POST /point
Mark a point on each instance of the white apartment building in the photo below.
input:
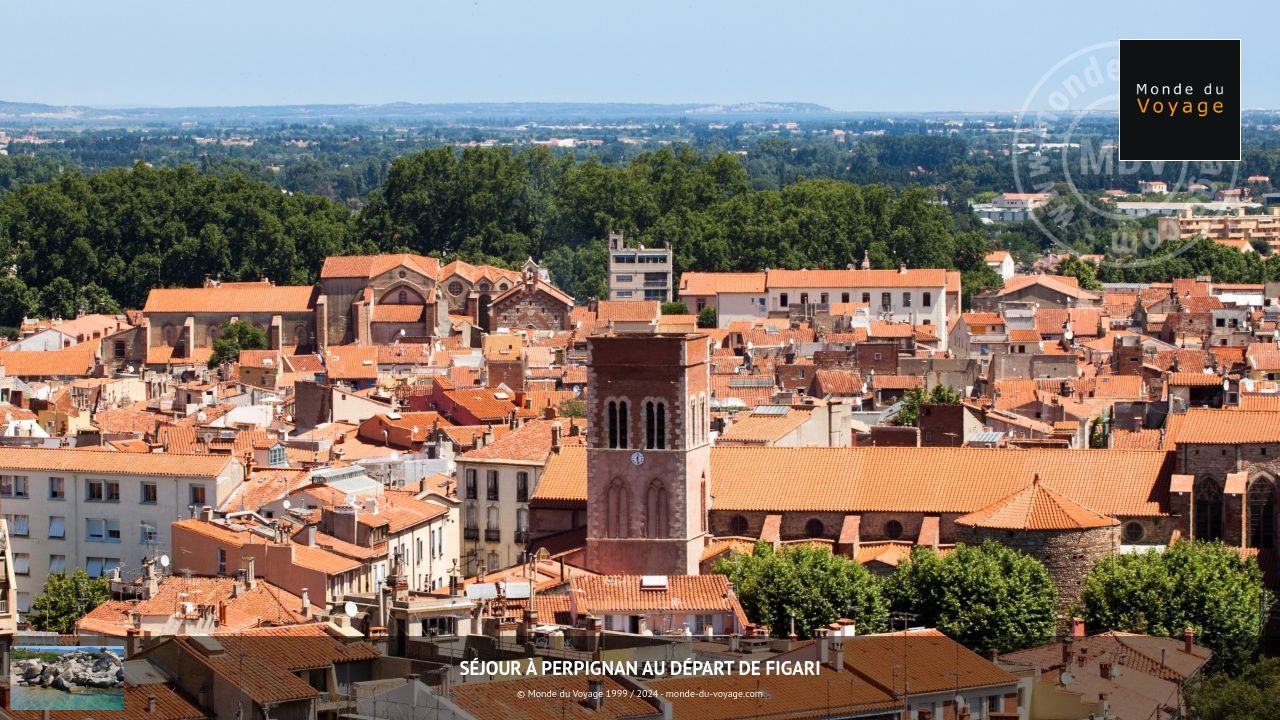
(495, 483)
(920, 297)
(639, 273)
(100, 510)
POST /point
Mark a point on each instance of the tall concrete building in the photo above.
(648, 453)
(639, 273)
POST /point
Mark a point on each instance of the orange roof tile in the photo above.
(1194, 379)
(763, 429)
(707, 283)
(1065, 285)
(83, 461)
(928, 277)
(232, 298)
(351, 362)
(367, 266)
(1209, 426)
(529, 443)
(628, 310)
(1036, 507)
(896, 382)
(887, 479)
(604, 594)
(392, 313)
(75, 361)
(1135, 440)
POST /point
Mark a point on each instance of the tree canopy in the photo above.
(1254, 694)
(1206, 586)
(809, 585)
(987, 597)
(236, 335)
(913, 399)
(66, 598)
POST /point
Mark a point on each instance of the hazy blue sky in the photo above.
(850, 56)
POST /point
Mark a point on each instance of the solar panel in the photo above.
(516, 590)
(771, 410)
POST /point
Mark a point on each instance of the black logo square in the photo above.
(1180, 100)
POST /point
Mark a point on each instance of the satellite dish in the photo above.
(188, 608)
(164, 561)
(286, 504)
(349, 608)
(1068, 334)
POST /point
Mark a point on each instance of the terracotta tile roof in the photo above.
(837, 382)
(189, 440)
(1261, 356)
(1036, 507)
(126, 420)
(1024, 335)
(321, 560)
(483, 403)
(1065, 285)
(402, 511)
(214, 530)
(367, 266)
(628, 311)
(896, 382)
(997, 256)
(887, 479)
(785, 279)
(1139, 440)
(829, 694)
(612, 594)
(267, 359)
(881, 329)
(83, 461)
(263, 487)
(751, 390)
(982, 318)
(706, 283)
(392, 313)
(1259, 403)
(938, 663)
(756, 429)
(1209, 426)
(530, 443)
(853, 337)
(475, 273)
(351, 362)
(1194, 379)
(501, 700)
(232, 298)
(75, 361)
(533, 286)
(465, 435)
(1085, 322)
(264, 603)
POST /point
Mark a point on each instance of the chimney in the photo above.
(549, 412)
(555, 437)
(306, 604)
(250, 580)
(595, 694)
(1188, 639)
(822, 645)
(151, 704)
(222, 614)
(837, 660)
(311, 536)
(206, 513)
(902, 269)
(1104, 707)
(1077, 627)
(373, 506)
(1067, 652)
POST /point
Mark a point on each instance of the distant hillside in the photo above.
(17, 114)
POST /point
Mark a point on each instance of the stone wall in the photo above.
(1068, 555)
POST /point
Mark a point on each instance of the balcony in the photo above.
(522, 537)
(492, 535)
(471, 533)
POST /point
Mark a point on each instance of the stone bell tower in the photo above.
(648, 452)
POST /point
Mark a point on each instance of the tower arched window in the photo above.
(624, 439)
(1262, 512)
(657, 511)
(611, 419)
(1208, 509)
(616, 525)
(814, 528)
(738, 525)
(655, 425)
